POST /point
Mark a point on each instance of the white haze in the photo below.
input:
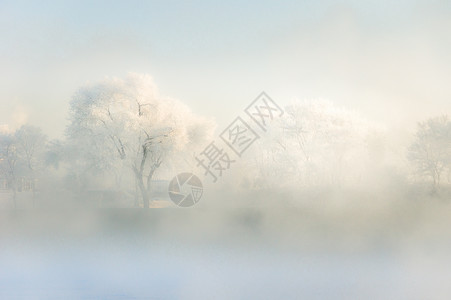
(354, 211)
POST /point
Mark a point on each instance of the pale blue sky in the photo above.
(390, 61)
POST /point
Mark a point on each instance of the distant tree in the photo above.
(31, 143)
(9, 162)
(31, 146)
(121, 124)
(22, 156)
(314, 143)
(430, 152)
(54, 153)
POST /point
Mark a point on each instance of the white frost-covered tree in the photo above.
(9, 162)
(314, 143)
(430, 152)
(31, 145)
(125, 124)
(22, 156)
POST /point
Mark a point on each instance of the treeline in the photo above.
(122, 136)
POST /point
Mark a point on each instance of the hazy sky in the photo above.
(390, 60)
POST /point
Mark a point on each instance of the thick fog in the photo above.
(225, 151)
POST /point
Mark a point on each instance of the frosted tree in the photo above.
(430, 152)
(22, 156)
(9, 162)
(125, 123)
(31, 146)
(314, 143)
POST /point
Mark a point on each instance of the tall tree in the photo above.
(125, 123)
(31, 145)
(430, 152)
(314, 143)
(9, 162)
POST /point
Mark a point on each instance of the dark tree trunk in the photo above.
(15, 198)
(142, 188)
(136, 194)
(145, 187)
(146, 201)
